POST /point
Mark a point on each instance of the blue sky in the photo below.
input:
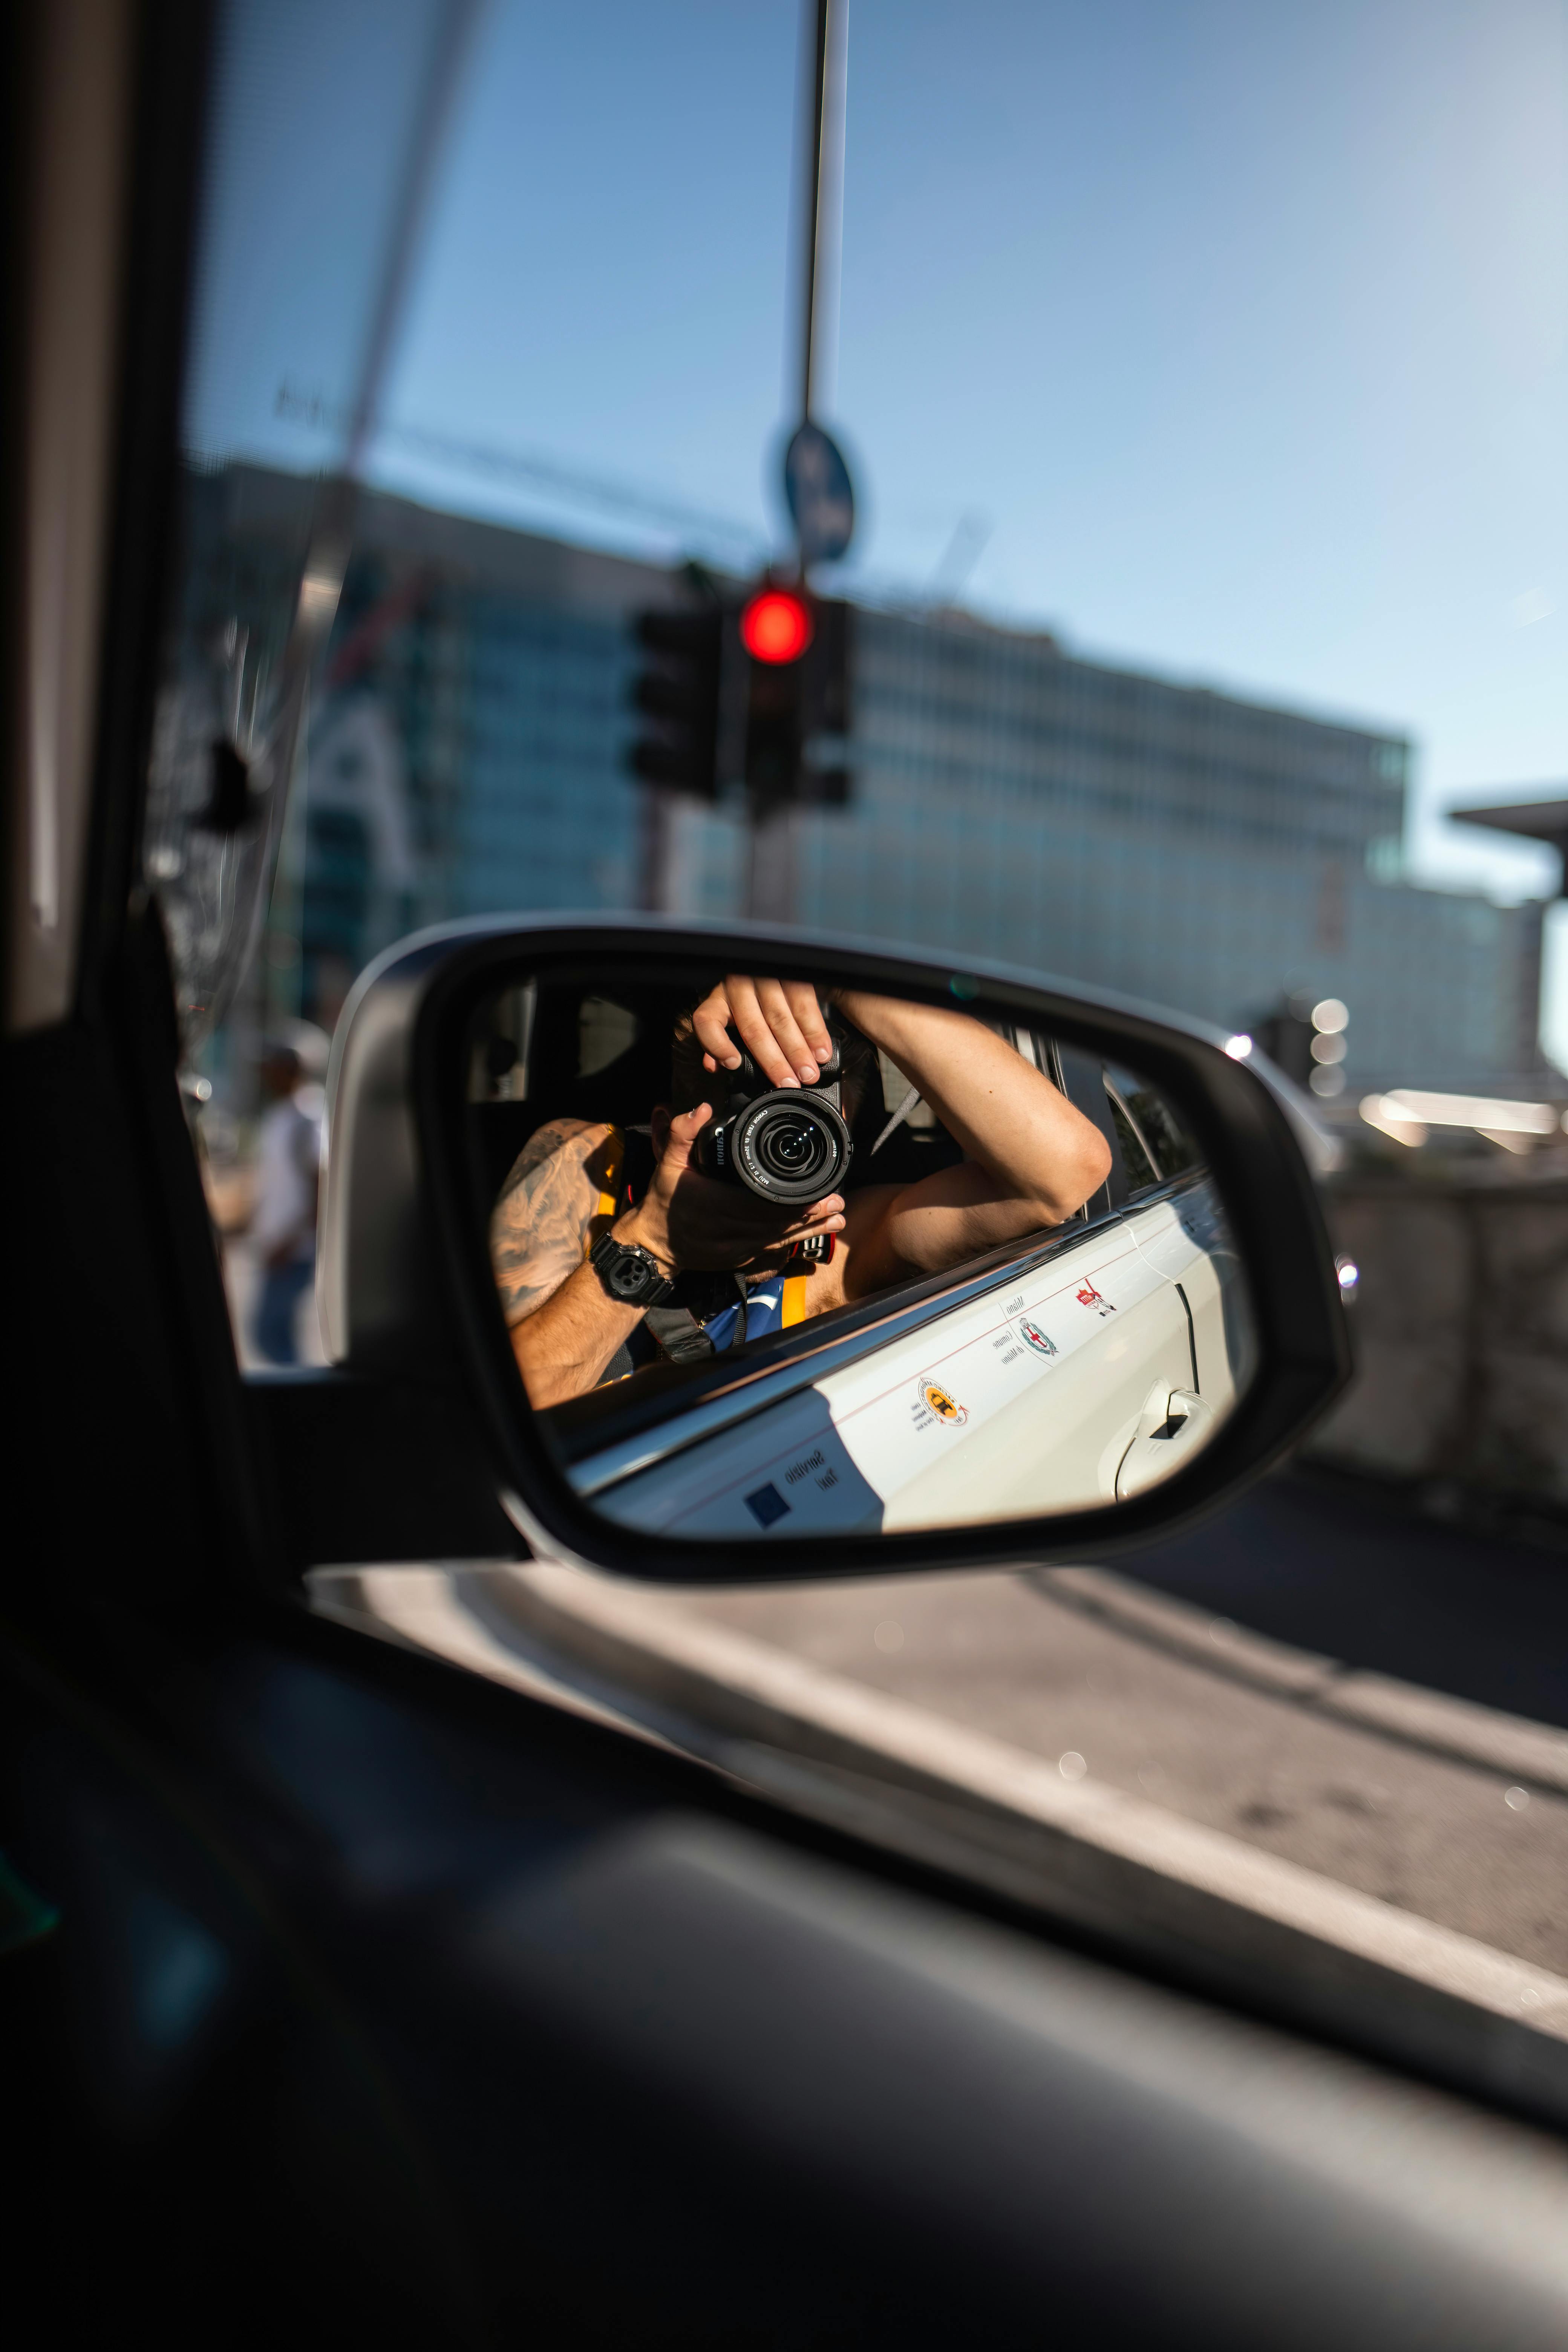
(1244, 329)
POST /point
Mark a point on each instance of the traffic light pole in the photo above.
(771, 848)
(771, 875)
(655, 895)
(811, 146)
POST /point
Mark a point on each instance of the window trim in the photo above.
(1118, 1102)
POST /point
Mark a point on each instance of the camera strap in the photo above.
(637, 1162)
(679, 1335)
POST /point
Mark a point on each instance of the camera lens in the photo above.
(790, 1151)
(790, 1146)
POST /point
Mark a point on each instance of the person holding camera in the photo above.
(601, 1264)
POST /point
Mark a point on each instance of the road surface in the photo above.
(1181, 1709)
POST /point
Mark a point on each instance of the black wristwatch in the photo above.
(630, 1274)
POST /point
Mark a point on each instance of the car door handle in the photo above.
(1172, 1426)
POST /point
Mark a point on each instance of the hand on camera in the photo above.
(778, 1021)
(691, 1224)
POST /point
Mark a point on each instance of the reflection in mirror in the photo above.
(780, 1259)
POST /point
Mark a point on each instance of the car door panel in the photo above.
(1022, 1400)
(1184, 1241)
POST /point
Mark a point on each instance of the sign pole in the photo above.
(813, 149)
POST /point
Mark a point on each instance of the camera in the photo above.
(788, 1144)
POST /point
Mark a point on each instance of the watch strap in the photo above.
(610, 1258)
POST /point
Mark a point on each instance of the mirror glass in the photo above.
(780, 1259)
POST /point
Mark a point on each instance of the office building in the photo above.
(1012, 801)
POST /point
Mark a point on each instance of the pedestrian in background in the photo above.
(283, 1220)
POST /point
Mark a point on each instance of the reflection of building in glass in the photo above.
(1171, 843)
(464, 753)
(1012, 801)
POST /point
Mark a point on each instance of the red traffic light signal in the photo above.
(776, 627)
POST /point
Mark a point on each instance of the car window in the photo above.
(1154, 1144)
(1138, 1162)
(1198, 377)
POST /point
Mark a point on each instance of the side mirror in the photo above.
(756, 1258)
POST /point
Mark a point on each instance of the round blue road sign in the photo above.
(821, 499)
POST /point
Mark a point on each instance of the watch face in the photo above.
(629, 1277)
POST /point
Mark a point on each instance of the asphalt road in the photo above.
(1473, 1846)
(1335, 1566)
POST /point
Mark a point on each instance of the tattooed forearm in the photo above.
(545, 1211)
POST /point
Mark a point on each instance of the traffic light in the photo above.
(677, 690)
(1306, 1039)
(776, 629)
(1330, 1019)
(752, 693)
(824, 775)
(797, 697)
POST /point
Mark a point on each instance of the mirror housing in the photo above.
(407, 1293)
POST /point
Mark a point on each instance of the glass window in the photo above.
(1200, 373)
(1154, 1144)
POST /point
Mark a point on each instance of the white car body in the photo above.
(1089, 1369)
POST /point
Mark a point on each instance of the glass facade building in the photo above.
(1011, 801)
(1164, 841)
